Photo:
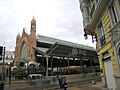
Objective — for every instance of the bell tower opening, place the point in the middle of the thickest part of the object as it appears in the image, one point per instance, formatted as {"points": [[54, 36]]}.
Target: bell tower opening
{"points": [[33, 25]]}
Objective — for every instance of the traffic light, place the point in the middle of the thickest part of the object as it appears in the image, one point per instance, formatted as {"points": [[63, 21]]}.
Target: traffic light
{"points": [[1, 50]]}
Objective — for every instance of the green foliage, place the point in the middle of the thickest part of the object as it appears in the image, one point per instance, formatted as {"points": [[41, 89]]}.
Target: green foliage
{"points": [[32, 69], [19, 73]]}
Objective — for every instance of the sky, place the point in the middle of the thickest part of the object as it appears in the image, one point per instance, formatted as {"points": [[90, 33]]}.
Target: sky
{"points": [[61, 19]]}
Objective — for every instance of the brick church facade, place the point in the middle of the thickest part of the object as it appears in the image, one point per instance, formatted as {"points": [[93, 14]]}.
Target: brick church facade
{"points": [[24, 50]]}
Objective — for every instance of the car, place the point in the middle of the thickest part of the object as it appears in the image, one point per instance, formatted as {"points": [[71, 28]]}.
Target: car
{"points": [[34, 79]]}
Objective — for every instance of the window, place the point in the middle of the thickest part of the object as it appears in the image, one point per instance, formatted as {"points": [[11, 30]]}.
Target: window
{"points": [[100, 30], [113, 14], [118, 57], [119, 52], [105, 55], [92, 10], [94, 4], [101, 34]]}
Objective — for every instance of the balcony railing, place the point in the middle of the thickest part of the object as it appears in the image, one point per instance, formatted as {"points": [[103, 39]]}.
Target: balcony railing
{"points": [[102, 41]]}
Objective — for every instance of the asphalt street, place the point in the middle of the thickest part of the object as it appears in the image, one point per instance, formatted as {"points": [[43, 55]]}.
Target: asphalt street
{"points": [[78, 87]]}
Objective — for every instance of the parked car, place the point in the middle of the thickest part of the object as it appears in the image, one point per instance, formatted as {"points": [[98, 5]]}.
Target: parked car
{"points": [[35, 79]]}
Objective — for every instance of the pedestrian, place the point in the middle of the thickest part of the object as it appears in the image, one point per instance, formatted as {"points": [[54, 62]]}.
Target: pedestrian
{"points": [[64, 84], [59, 80]]}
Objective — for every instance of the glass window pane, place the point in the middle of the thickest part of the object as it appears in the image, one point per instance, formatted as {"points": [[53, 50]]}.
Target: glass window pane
{"points": [[113, 13]]}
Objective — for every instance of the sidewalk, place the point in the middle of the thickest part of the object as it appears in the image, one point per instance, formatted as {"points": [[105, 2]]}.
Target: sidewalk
{"points": [[97, 87], [22, 85], [90, 86]]}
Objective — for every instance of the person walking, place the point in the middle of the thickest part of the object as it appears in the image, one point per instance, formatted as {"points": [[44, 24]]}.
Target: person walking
{"points": [[60, 81], [64, 84]]}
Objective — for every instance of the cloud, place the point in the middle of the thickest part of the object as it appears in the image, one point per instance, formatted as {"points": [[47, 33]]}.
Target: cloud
{"points": [[55, 18]]}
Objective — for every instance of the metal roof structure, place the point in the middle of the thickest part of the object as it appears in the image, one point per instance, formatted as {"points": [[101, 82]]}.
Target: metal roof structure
{"points": [[57, 47], [63, 50], [49, 40], [48, 47]]}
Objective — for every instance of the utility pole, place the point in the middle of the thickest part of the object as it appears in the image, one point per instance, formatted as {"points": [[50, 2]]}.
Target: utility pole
{"points": [[2, 57], [3, 64]]}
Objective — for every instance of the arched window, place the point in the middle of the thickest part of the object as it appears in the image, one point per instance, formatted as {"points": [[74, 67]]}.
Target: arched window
{"points": [[24, 53]]}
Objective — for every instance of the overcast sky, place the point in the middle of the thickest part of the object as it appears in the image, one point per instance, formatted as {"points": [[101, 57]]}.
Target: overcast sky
{"points": [[60, 19]]}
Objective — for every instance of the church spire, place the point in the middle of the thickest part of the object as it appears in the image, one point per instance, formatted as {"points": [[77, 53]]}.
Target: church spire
{"points": [[33, 24]]}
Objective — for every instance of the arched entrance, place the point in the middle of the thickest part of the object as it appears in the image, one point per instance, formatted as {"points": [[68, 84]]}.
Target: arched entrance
{"points": [[24, 53], [31, 69]]}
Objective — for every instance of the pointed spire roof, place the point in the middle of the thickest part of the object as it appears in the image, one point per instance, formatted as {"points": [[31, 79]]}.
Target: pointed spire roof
{"points": [[18, 34], [33, 19]]}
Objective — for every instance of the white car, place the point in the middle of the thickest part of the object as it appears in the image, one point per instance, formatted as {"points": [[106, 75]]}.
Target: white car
{"points": [[35, 79]]}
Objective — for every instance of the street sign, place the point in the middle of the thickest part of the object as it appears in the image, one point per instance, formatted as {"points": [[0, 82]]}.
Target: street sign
{"points": [[1, 50]]}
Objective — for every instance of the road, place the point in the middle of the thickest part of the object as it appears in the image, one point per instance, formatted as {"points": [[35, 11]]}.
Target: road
{"points": [[78, 87], [89, 86], [25, 86]]}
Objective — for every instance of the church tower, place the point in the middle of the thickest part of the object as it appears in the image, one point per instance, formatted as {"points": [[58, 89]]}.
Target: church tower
{"points": [[33, 25], [26, 44], [33, 38]]}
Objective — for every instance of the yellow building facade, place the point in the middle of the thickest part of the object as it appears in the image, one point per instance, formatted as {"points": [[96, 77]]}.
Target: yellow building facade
{"points": [[101, 20]]}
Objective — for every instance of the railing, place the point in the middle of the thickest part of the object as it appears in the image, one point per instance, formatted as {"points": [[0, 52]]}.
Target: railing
{"points": [[76, 78], [102, 41], [52, 82]]}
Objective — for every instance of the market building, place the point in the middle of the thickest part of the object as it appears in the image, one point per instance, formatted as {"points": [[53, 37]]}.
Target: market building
{"points": [[50, 53], [101, 20]]}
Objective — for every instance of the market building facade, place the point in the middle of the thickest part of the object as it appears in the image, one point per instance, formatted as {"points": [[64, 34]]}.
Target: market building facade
{"points": [[49, 53], [33, 51]]}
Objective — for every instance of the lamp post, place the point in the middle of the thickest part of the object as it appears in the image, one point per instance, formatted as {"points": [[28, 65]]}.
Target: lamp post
{"points": [[3, 64]]}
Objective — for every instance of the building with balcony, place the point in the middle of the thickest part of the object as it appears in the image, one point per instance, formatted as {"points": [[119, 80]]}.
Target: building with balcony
{"points": [[101, 20]]}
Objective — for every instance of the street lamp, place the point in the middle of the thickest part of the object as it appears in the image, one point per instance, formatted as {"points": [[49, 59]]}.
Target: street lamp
{"points": [[94, 37], [85, 35]]}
